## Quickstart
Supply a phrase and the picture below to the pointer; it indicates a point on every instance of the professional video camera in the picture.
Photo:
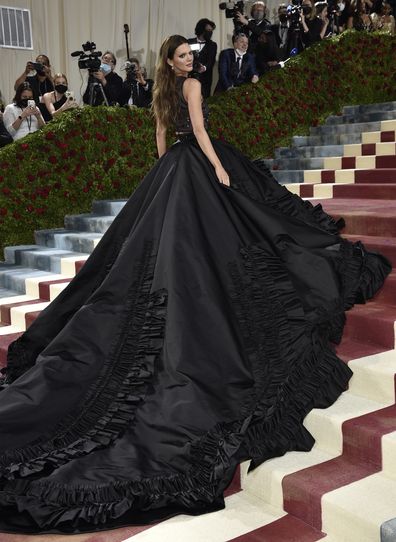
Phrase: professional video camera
(293, 13)
(231, 9)
(89, 59)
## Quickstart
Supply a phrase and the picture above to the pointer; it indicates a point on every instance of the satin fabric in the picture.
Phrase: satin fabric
(197, 335)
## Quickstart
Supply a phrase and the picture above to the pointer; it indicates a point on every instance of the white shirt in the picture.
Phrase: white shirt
(28, 124)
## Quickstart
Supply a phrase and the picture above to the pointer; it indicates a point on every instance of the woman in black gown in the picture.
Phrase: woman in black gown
(196, 336)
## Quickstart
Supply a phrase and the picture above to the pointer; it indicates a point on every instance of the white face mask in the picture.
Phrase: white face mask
(341, 6)
(240, 53)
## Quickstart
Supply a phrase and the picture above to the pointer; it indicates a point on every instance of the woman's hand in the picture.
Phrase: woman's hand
(29, 111)
(222, 175)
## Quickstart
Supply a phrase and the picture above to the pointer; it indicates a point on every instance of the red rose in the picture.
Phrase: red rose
(6, 191)
(1, 178)
(16, 215)
(29, 208)
(116, 184)
(40, 210)
(50, 135)
(71, 178)
(3, 211)
(53, 159)
(30, 177)
(24, 146)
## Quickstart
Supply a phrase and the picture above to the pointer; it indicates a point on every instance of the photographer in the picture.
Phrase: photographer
(236, 66)
(57, 101)
(256, 25)
(137, 90)
(110, 82)
(207, 53)
(282, 33)
(314, 22)
(41, 81)
(21, 117)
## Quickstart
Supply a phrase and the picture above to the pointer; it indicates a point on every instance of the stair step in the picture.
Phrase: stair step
(372, 323)
(356, 128)
(327, 139)
(371, 217)
(309, 151)
(285, 529)
(364, 191)
(108, 207)
(69, 240)
(40, 258)
(371, 176)
(368, 116)
(355, 512)
(374, 377)
(366, 108)
(88, 223)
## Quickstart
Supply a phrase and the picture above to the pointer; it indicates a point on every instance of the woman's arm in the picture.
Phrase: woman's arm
(192, 94)
(48, 104)
(160, 135)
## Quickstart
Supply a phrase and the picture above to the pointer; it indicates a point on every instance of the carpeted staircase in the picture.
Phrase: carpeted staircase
(344, 490)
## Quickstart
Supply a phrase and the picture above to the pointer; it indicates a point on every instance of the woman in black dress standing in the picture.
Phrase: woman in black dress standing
(197, 335)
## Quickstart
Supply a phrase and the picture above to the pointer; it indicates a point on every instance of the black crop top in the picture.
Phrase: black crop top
(182, 120)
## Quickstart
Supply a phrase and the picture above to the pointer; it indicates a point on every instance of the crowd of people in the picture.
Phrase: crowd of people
(258, 46)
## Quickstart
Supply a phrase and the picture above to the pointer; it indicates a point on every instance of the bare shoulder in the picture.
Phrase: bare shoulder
(191, 87)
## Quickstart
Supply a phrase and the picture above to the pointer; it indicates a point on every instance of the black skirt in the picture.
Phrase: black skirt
(197, 335)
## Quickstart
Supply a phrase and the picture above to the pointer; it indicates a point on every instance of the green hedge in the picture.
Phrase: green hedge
(100, 153)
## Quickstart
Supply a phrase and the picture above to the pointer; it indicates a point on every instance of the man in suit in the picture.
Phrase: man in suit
(282, 32)
(206, 54)
(236, 65)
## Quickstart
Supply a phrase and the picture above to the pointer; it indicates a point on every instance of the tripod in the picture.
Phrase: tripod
(95, 89)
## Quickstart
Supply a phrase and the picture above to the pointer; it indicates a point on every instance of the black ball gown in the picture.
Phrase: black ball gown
(197, 335)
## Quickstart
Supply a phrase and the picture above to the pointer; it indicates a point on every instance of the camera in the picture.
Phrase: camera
(69, 95)
(31, 104)
(293, 14)
(38, 66)
(231, 10)
(130, 69)
(89, 59)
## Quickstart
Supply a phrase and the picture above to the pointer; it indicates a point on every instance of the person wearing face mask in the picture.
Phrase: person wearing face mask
(110, 82)
(40, 80)
(236, 65)
(56, 101)
(282, 33)
(256, 25)
(207, 53)
(308, 23)
(20, 118)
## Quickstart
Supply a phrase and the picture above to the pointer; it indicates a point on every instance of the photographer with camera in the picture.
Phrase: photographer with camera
(256, 25)
(22, 117)
(282, 32)
(109, 81)
(206, 55)
(236, 66)
(38, 75)
(137, 90)
(314, 21)
(60, 99)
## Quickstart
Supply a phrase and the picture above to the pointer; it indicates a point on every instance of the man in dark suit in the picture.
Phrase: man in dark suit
(206, 53)
(283, 33)
(236, 66)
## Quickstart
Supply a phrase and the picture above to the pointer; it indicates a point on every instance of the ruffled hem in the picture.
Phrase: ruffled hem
(110, 405)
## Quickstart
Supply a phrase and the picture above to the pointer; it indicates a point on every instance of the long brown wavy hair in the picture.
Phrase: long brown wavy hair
(164, 91)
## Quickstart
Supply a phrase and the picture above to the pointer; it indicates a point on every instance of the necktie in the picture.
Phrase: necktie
(239, 65)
